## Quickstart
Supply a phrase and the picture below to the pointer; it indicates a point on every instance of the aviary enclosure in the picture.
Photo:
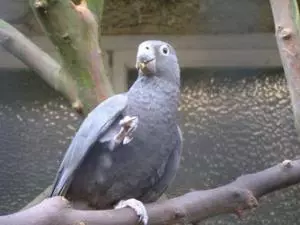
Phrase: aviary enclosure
(238, 112)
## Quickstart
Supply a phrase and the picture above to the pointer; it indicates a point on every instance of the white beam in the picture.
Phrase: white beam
(230, 50)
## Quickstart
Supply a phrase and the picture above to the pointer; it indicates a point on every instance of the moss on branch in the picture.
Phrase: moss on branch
(73, 29)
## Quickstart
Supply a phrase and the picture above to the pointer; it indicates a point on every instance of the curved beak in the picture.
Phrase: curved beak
(146, 66)
(145, 59)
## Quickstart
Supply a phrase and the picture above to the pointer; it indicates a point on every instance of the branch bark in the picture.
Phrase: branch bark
(287, 20)
(73, 29)
(46, 67)
(241, 194)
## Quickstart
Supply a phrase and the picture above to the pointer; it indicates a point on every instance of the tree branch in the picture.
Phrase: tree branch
(287, 21)
(192, 207)
(46, 67)
(73, 29)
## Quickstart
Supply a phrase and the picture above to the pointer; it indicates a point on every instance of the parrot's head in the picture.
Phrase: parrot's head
(157, 58)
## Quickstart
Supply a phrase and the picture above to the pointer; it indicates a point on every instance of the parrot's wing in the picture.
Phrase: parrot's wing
(94, 126)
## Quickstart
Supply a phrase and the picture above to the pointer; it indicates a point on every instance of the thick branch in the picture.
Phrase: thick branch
(73, 29)
(192, 207)
(286, 19)
(40, 62)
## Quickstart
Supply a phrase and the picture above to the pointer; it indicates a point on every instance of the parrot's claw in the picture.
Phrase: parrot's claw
(129, 123)
(137, 206)
(128, 126)
(127, 139)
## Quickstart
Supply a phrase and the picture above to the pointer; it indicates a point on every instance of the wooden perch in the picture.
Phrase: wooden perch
(192, 207)
(287, 22)
(73, 29)
(40, 62)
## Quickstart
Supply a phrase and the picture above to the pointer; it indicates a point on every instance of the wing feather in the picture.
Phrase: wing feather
(92, 128)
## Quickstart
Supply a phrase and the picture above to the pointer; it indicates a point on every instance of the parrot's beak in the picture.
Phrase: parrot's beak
(146, 66)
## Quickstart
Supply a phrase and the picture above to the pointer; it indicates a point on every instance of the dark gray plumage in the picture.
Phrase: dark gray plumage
(94, 172)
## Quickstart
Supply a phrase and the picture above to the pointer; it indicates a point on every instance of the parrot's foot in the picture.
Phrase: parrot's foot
(128, 125)
(137, 206)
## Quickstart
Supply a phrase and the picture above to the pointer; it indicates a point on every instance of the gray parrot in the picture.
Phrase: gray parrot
(129, 146)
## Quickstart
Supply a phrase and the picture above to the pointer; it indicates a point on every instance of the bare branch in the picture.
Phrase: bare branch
(73, 29)
(39, 61)
(286, 19)
(39, 198)
(196, 206)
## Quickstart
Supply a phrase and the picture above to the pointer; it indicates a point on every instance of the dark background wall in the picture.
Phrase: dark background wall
(186, 17)
(36, 125)
(163, 17)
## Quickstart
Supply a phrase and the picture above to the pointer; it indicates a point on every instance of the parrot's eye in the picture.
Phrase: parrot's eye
(164, 50)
